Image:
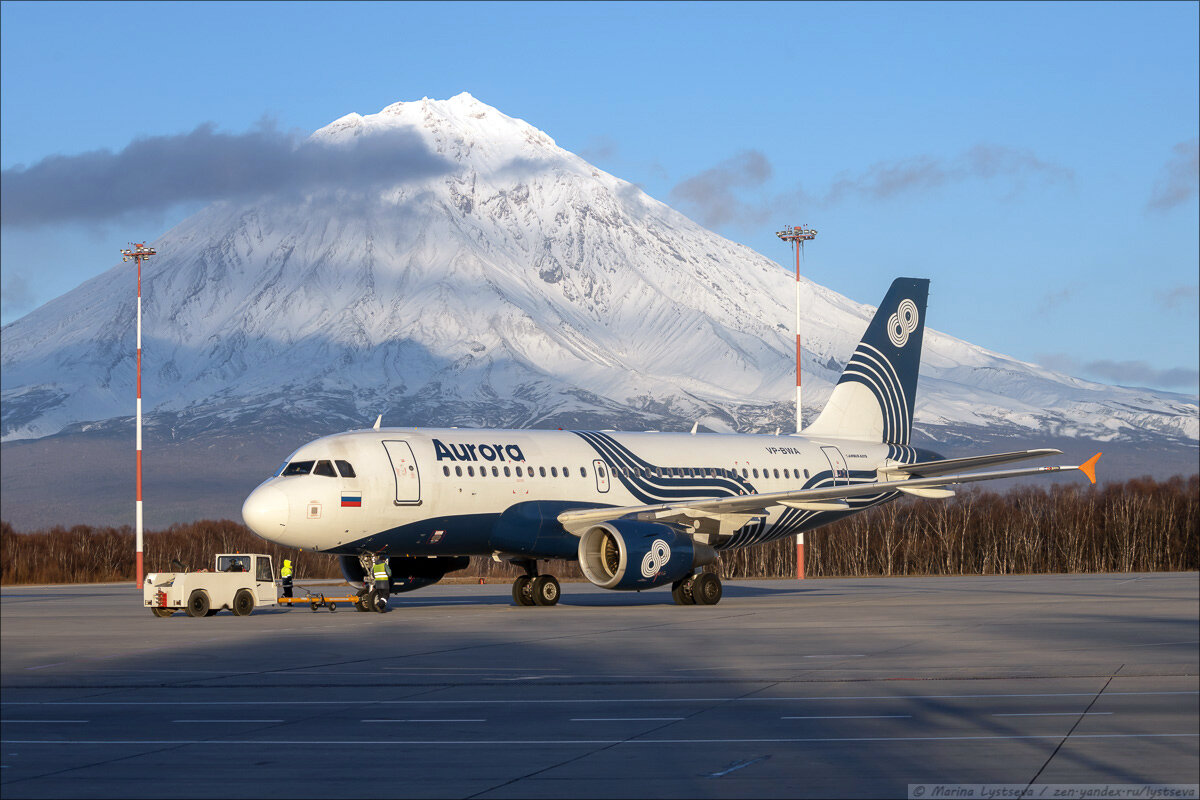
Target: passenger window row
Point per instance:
(521, 472)
(323, 468)
(622, 472)
(703, 472)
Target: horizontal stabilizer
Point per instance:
(928, 469)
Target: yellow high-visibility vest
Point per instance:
(286, 571)
(382, 573)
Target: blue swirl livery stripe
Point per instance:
(652, 483)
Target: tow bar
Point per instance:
(318, 601)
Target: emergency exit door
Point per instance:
(404, 467)
(601, 471)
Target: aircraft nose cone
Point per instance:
(266, 512)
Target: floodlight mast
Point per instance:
(138, 252)
(797, 236)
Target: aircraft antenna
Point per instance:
(138, 252)
(797, 236)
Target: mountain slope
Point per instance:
(522, 287)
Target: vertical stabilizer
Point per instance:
(873, 401)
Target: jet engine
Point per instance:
(407, 573)
(632, 554)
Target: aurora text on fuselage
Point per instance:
(477, 452)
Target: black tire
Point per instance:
(243, 603)
(197, 605)
(707, 589)
(162, 612)
(380, 603)
(521, 591)
(682, 591)
(545, 590)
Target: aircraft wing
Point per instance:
(726, 514)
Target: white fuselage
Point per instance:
(441, 491)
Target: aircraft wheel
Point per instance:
(163, 612)
(681, 590)
(707, 589)
(522, 592)
(546, 590)
(360, 602)
(197, 605)
(380, 603)
(243, 603)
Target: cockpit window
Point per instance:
(345, 468)
(298, 468)
(325, 469)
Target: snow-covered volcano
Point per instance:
(520, 287)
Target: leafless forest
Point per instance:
(1139, 526)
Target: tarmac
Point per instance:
(815, 688)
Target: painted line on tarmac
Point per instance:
(591, 742)
(48, 721)
(227, 720)
(881, 716)
(422, 720)
(738, 765)
(849, 655)
(566, 701)
(627, 719)
(1059, 714)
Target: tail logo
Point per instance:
(903, 322)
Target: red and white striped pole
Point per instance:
(799, 349)
(139, 252)
(797, 236)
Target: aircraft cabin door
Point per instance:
(837, 463)
(601, 475)
(408, 477)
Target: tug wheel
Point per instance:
(243, 603)
(197, 605)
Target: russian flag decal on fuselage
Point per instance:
(351, 499)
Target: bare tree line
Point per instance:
(1139, 526)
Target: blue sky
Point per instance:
(1037, 161)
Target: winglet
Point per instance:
(1089, 467)
(378, 420)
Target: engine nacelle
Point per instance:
(631, 554)
(407, 573)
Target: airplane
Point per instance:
(636, 510)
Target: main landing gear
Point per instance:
(532, 589)
(703, 589)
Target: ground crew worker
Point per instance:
(383, 575)
(285, 573)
